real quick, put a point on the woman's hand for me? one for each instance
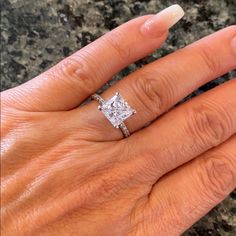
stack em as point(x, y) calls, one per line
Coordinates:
point(67, 171)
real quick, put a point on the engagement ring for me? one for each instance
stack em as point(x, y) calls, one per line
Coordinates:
point(116, 110)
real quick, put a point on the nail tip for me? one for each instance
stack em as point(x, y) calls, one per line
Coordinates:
point(178, 13)
point(164, 19)
point(178, 6)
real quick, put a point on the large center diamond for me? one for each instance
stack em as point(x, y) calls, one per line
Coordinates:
point(116, 110)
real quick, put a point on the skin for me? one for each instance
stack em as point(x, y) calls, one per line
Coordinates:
point(66, 171)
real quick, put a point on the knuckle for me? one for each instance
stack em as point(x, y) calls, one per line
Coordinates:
point(110, 186)
point(63, 71)
point(74, 71)
point(153, 169)
point(148, 91)
point(209, 126)
point(107, 186)
point(148, 95)
point(217, 174)
point(68, 66)
point(209, 60)
point(115, 40)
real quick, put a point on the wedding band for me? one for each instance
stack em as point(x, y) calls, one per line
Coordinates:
point(116, 110)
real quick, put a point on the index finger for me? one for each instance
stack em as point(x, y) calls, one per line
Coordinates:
point(71, 81)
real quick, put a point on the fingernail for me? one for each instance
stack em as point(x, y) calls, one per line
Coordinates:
point(160, 23)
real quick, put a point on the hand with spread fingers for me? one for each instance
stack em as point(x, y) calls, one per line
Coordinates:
point(123, 163)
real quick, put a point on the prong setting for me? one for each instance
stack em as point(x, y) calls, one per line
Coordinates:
point(116, 110)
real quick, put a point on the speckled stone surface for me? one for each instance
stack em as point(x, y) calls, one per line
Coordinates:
point(37, 34)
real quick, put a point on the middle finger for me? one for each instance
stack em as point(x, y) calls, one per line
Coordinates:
point(187, 131)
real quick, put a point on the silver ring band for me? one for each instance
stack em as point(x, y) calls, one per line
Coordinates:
point(98, 98)
point(116, 111)
point(124, 130)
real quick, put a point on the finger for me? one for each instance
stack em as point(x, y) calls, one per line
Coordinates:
point(158, 86)
point(189, 192)
point(71, 81)
point(187, 131)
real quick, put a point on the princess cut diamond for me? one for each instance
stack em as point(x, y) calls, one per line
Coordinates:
point(116, 110)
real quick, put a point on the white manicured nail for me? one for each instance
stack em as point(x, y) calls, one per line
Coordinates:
point(160, 23)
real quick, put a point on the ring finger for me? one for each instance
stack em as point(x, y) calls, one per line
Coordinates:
point(158, 86)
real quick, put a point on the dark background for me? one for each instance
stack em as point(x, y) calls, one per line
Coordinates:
point(35, 34)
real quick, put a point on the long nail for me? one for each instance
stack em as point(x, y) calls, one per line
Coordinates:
point(158, 24)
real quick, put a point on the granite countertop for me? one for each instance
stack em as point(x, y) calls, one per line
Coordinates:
point(37, 34)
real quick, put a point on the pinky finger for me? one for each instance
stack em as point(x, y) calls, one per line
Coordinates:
point(192, 190)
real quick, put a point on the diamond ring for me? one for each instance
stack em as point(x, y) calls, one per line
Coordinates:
point(116, 110)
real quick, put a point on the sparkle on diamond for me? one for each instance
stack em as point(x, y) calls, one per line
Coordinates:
point(116, 110)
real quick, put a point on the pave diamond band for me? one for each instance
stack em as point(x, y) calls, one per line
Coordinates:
point(124, 130)
point(98, 98)
point(116, 110)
